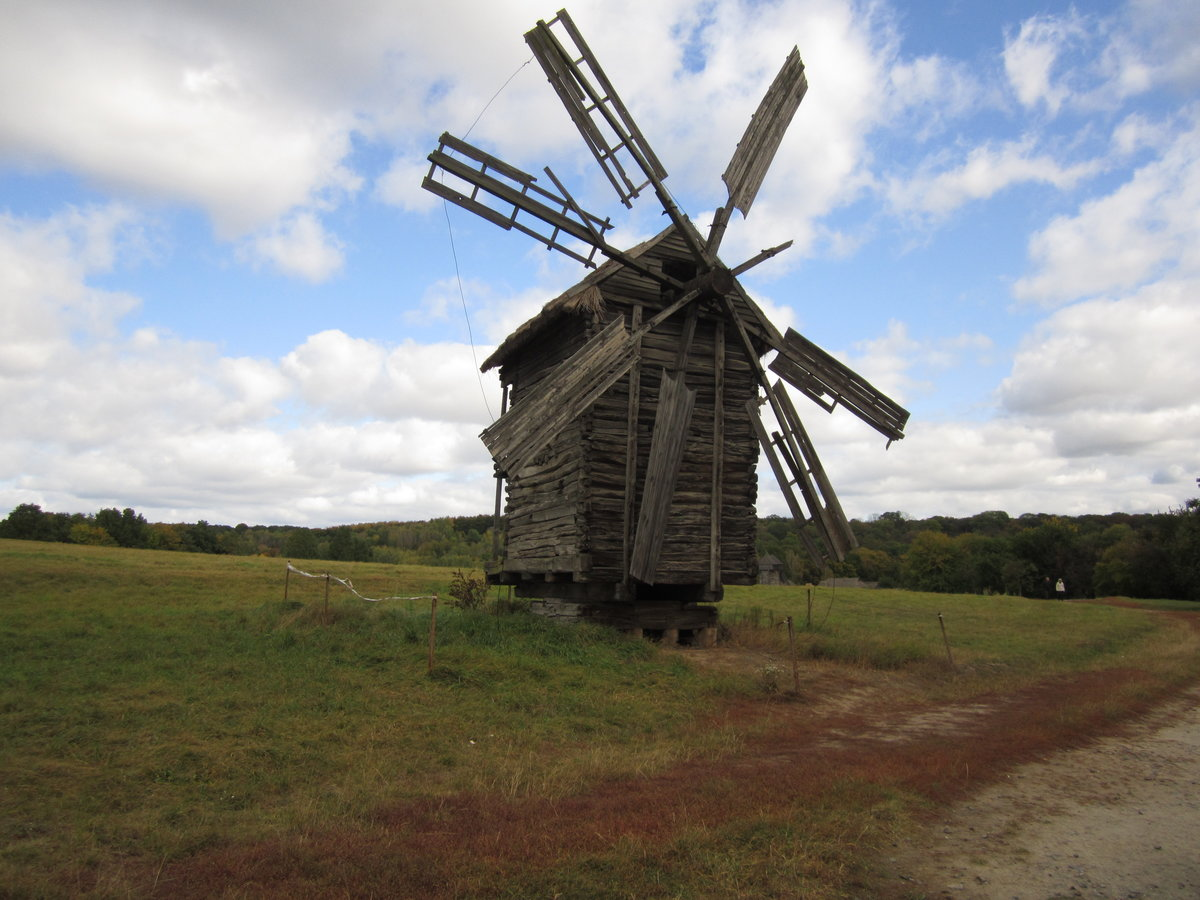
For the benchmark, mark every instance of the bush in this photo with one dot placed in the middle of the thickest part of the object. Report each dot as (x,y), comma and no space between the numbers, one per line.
(468,591)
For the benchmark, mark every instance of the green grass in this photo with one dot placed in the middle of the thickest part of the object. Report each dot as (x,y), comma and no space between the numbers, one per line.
(156,707)
(988,636)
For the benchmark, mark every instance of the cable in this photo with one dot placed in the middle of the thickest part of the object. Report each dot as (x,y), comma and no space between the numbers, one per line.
(462,296)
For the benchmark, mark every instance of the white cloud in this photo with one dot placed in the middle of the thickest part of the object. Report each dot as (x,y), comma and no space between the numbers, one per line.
(987,170)
(176,429)
(1145,227)
(298,245)
(1031,55)
(1132,355)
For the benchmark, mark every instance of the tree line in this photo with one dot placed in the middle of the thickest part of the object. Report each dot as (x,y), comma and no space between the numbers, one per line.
(1122,554)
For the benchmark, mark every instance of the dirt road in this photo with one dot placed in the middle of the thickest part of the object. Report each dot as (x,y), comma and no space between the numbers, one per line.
(1119,818)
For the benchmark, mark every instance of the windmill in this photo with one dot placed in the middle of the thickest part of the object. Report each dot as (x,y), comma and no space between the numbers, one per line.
(630,427)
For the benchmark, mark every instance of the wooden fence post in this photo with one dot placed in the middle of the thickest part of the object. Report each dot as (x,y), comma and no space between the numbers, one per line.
(432,629)
(287,574)
(325,617)
(792,650)
(946,640)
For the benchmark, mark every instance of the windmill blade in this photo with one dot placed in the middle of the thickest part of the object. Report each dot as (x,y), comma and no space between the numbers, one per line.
(603,121)
(828,382)
(795,463)
(675,404)
(593,104)
(499,192)
(746,170)
(521,433)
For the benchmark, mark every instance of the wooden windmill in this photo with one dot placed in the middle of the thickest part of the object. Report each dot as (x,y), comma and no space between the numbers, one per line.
(630,431)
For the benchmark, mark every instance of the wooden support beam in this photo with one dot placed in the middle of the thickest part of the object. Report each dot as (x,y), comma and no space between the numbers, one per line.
(631,451)
(718,458)
(675,404)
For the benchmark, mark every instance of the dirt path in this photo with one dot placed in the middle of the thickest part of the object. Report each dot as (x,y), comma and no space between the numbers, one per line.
(1117,819)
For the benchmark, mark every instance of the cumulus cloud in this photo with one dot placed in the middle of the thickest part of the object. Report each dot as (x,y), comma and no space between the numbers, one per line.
(1030,57)
(175,428)
(987,170)
(1143,228)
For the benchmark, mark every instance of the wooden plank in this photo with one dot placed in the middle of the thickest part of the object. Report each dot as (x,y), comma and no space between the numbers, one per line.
(838,535)
(755,151)
(634,402)
(517,436)
(718,458)
(675,404)
(801,457)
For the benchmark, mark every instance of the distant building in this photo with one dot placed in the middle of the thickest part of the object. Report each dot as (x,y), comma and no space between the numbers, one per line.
(770,570)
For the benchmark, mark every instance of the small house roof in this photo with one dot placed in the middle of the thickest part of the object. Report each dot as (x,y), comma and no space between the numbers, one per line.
(585,297)
(769,562)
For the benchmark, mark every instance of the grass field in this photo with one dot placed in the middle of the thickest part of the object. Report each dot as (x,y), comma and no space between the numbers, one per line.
(170,724)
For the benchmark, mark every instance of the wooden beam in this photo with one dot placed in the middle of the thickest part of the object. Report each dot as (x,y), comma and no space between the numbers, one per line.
(631,451)
(718,458)
(675,404)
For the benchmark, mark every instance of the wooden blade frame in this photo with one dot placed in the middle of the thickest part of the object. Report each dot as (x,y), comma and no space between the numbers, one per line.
(755,151)
(828,382)
(675,404)
(603,121)
(594,107)
(800,456)
(518,192)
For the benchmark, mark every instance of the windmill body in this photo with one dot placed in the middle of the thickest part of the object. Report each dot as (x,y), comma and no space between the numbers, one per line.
(632,429)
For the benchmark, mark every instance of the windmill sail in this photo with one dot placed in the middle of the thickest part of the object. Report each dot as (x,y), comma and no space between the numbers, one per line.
(828,383)
(746,170)
(594,106)
(748,167)
(499,192)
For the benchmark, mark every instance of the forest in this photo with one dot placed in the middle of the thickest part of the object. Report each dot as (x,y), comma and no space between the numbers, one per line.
(1119,554)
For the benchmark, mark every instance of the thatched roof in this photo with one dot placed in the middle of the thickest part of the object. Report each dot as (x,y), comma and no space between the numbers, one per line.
(585,298)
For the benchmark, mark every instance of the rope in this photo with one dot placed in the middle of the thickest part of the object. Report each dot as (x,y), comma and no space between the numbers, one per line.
(345,582)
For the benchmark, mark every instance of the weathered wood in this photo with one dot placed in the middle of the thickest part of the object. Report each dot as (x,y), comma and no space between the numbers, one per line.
(835,528)
(718,458)
(828,382)
(675,404)
(528,426)
(633,404)
(785,485)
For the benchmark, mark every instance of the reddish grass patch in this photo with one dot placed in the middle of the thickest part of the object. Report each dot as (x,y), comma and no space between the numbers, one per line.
(456,845)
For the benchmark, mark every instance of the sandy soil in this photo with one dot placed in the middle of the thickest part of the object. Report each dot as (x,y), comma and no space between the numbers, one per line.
(1119,818)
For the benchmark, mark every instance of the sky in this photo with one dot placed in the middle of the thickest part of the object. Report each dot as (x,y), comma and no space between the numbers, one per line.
(224,295)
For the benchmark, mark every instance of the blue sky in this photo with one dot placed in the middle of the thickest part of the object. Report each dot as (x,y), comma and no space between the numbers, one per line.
(223,294)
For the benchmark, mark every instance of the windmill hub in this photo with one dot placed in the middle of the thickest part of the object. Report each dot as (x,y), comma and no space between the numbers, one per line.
(713,284)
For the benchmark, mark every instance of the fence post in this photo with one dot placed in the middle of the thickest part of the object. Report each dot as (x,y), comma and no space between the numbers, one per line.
(432,629)
(946,640)
(325,617)
(287,574)
(792,650)
(808,622)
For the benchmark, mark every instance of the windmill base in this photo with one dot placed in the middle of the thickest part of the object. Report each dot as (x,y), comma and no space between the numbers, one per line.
(668,621)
